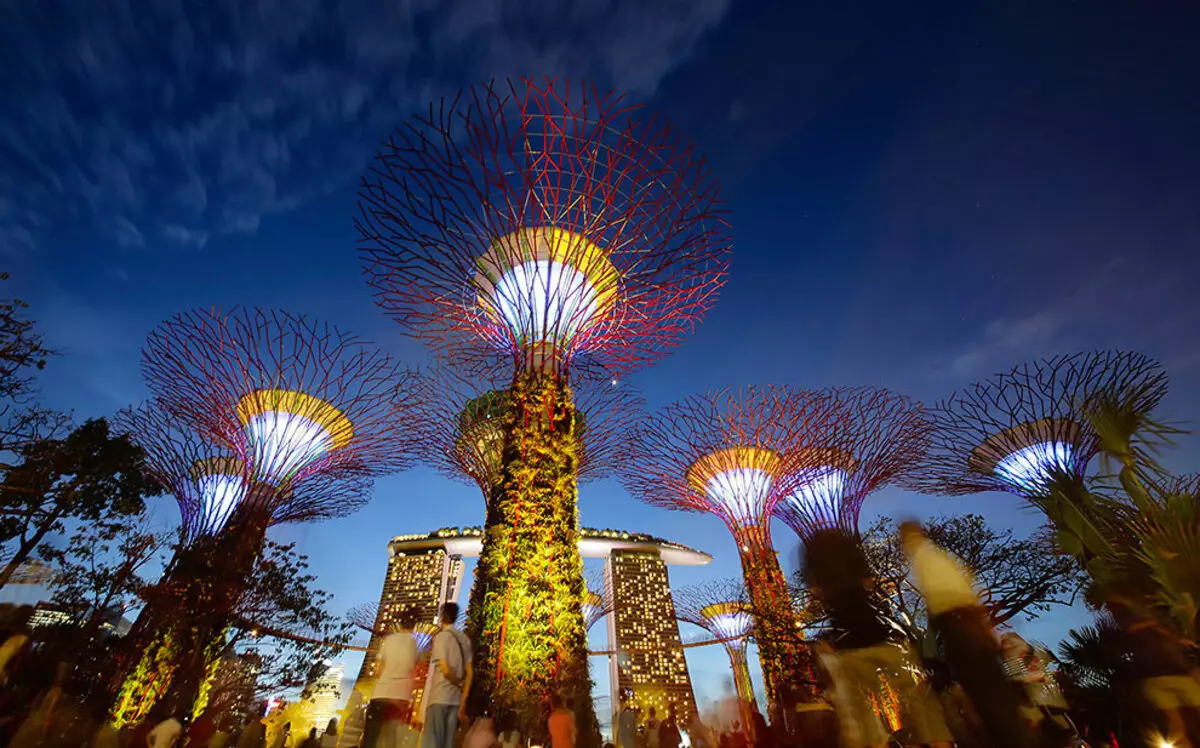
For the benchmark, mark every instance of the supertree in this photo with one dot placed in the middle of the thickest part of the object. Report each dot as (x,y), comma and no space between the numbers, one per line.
(597,603)
(545,222)
(878,437)
(370,618)
(737,454)
(465,409)
(721,608)
(305,412)
(1028,431)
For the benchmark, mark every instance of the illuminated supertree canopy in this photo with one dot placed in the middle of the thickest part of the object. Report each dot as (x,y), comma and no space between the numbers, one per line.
(465,409)
(543,219)
(1025,429)
(378,623)
(543,222)
(289,396)
(210,483)
(737,454)
(721,608)
(305,411)
(878,437)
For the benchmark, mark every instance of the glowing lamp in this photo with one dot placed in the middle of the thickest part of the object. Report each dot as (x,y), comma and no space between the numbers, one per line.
(288,431)
(1028,456)
(546,285)
(731,622)
(222,490)
(739,480)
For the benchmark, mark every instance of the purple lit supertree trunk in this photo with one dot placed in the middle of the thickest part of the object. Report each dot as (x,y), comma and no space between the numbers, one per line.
(257,418)
(879,437)
(544,222)
(720,607)
(737,454)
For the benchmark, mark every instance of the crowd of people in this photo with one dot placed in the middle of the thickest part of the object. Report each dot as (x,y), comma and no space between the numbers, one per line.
(981,690)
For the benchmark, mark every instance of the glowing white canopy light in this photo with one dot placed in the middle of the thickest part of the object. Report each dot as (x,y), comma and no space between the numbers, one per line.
(743,492)
(423,637)
(284,443)
(733,626)
(820,494)
(220,495)
(546,300)
(1028,469)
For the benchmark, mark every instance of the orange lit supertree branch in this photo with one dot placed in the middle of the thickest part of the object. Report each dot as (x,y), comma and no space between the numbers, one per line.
(307,411)
(879,437)
(1028,431)
(721,608)
(737,454)
(542,221)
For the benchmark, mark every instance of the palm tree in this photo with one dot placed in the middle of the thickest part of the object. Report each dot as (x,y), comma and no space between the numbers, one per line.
(1095,677)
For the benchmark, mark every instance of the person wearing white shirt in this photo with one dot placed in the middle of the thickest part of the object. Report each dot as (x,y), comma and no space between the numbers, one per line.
(391,701)
(965,631)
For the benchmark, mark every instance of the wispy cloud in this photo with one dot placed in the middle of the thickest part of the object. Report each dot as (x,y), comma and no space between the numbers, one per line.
(172,121)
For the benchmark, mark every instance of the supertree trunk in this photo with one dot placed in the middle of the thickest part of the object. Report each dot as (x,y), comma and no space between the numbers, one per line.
(182,631)
(527,602)
(786,663)
(747,703)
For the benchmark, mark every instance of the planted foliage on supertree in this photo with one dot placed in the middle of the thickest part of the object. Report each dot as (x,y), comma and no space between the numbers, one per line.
(878,437)
(1028,430)
(721,608)
(465,409)
(543,222)
(308,412)
(737,454)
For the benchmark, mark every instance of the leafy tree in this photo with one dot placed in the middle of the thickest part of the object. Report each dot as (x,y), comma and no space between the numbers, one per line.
(22,352)
(1023,577)
(284,621)
(88,474)
(1095,677)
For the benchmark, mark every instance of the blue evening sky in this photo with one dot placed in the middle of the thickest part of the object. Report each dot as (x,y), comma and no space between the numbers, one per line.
(921,194)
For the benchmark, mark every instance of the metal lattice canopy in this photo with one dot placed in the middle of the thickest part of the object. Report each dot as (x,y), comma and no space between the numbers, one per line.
(289,396)
(210,483)
(1020,430)
(878,437)
(543,220)
(464,406)
(735,453)
(720,607)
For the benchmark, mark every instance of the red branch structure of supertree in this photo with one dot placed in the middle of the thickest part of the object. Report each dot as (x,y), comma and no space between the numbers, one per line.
(299,407)
(465,408)
(597,603)
(721,608)
(543,222)
(543,219)
(1023,430)
(210,482)
(878,437)
(737,454)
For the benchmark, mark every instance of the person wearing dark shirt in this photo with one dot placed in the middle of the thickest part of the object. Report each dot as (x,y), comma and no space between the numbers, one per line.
(839,577)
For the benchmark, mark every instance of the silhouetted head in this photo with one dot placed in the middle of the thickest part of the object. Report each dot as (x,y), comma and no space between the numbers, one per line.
(449,613)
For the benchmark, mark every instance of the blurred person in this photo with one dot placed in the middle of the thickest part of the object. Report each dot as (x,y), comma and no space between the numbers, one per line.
(481,733)
(46,713)
(253,734)
(165,734)
(224,732)
(1160,663)
(652,729)
(627,726)
(106,734)
(839,577)
(698,733)
(354,718)
(509,736)
(283,737)
(964,628)
(14,641)
(450,675)
(391,699)
(561,723)
(669,735)
(329,738)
